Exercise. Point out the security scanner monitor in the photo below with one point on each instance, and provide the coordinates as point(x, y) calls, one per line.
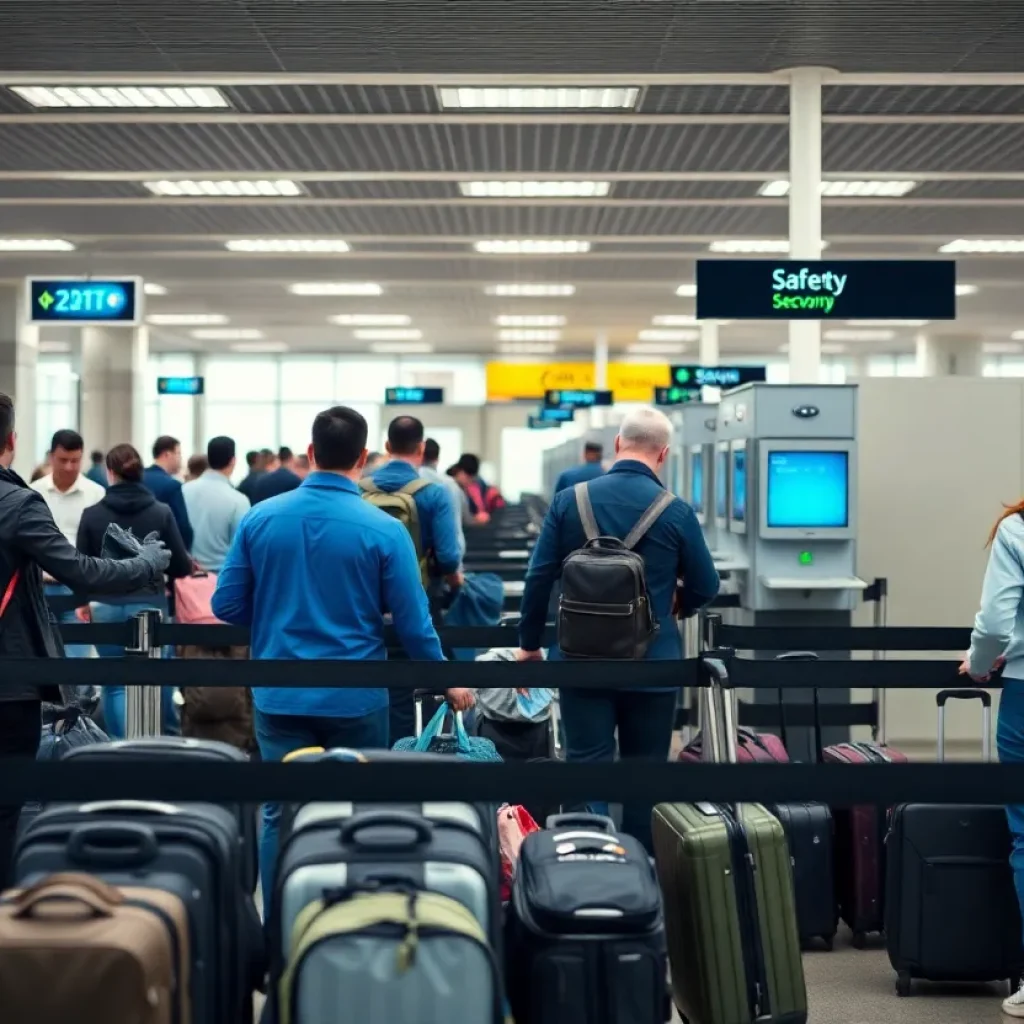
point(805, 490)
point(738, 484)
point(722, 485)
point(696, 493)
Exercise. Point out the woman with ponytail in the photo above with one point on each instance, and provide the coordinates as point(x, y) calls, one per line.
point(997, 642)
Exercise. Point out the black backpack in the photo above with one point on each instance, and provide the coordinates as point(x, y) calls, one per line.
point(604, 610)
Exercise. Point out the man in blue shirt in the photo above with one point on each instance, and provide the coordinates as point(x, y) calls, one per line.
point(161, 481)
point(279, 481)
point(589, 469)
point(439, 534)
point(308, 572)
point(673, 549)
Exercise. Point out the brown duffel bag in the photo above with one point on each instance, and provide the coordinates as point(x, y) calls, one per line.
point(221, 713)
point(75, 950)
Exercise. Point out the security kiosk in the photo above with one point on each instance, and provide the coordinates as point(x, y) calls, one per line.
point(696, 426)
point(785, 501)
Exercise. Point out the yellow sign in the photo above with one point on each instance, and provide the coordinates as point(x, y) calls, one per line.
point(630, 382)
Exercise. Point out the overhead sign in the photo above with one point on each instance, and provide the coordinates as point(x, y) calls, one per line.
point(180, 385)
point(676, 396)
point(577, 399)
point(717, 376)
point(630, 382)
point(539, 423)
point(85, 301)
point(563, 415)
point(414, 396)
point(826, 289)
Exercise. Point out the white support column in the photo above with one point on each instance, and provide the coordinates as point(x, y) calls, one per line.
point(597, 416)
point(948, 357)
point(19, 348)
point(113, 372)
point(707, 355)
point(805, 210)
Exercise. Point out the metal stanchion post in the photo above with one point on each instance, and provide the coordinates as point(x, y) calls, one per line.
point(142, 703)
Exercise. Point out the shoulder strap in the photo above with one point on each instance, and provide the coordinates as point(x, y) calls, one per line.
point(12, 583)
point(367, 486)
point(414, 486)
point(586, 511)
point(648, 519)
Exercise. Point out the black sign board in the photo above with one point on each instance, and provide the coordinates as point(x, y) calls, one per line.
point(716, 376)
point(576, 399)
point(81, 302)
point(414, 396)
point(563, 415)
point(826, 289)
point(539, 423)
point(676, 396)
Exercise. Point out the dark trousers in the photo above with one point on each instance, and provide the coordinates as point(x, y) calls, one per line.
point(19, 737)
point(522, 741)
point(644, 723)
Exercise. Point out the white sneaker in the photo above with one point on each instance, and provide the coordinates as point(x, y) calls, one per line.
point(1014, 1005)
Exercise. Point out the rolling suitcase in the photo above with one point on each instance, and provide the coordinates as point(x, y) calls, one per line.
point(190, 850)
point(951, 909)
point(730, 908)
point(585, 938)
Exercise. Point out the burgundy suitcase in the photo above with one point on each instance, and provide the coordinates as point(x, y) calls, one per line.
point(752, 746)
point(860, 846)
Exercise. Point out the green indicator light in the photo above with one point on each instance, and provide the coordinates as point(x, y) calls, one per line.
point(46, 300)
point(683, 375)
point(806, 558)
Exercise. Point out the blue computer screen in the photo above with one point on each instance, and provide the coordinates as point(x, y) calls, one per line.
point(808, 489)
point(697, 481)
point(739, 485)
point(721, 484)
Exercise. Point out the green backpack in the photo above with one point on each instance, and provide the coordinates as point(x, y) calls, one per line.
point(401, 505)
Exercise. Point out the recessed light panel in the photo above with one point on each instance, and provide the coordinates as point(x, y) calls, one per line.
point(186, 319)
point(523, 334)
point(286, 245)
point(534, 189)
point(531, 291)
point(371, 320)
point(139, 97)
point(225, 189)
point(35, 245)
point(532, 246)
point(530, 320)
point(321, 288)
point(538, 98)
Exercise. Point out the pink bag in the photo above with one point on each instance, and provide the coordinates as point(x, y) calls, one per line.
point(193, 599)
point(515, 823)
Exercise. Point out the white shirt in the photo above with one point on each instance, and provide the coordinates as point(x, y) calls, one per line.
point(67, 506)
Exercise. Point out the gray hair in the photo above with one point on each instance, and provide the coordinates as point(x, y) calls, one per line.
point(646, 429)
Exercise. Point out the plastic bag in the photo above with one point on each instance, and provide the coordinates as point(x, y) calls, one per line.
point(515, 823)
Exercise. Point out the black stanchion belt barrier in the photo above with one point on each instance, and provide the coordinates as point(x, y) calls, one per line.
point(619, 782)
point(842, 638)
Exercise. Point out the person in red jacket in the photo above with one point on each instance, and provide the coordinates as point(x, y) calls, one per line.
point(483, 499)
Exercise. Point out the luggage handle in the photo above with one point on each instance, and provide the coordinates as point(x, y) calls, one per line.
point(423, 830)
point(107, 844)
point(986, 718)
point(129, 807)
point(818, 746)
point(597, 822)
point(67, 887)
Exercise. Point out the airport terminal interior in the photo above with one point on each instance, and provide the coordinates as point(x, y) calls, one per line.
point(794, 227)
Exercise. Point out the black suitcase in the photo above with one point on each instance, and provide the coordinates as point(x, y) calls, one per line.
point(177, 748)
point(585, 936)
point(951, 909)
point(191, 850)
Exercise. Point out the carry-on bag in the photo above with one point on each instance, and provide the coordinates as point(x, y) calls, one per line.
point(750, 746)
point(433, 740)
point(75, 949)
point(951, 911)
point(178, 748)
point(189, 850)
point(585, 938)
point(406, 955)
point(730, 906)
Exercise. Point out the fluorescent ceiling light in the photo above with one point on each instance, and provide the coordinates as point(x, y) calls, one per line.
point(520, 334)
point(152, 288)
point(531, 291)
point(984, 245)
point(534, 189)
point(259, 347)
point(654, 334)
point(656, 349)
point(388, 334)
point(687, 291)
point(286, 245)
point(135, 97)
point(530, 320)
point(538, 98)
point(371, 320)
point(398, 348)
point(53, 347)
point(1017, 336)
point(227, 334)
point(835, 189)
point(186, 319)
point(826, 349)
point(673, 320)
point(966, 289)
point(841, 334)
point(311, 288)
point(532, 246)
point(266, 187)
point(753, 245)
point(35, 245)
point(526, 348)
point(888, 323)
point(1002, 348)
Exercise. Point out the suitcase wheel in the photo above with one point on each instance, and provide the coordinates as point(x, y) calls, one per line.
point(829, 943)
point(904, 985)
point(860, 940)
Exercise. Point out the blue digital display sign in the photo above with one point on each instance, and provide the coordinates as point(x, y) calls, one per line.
point(576, 399)
point(716, 376)
point(557, 415)
point(675, 396)
point(414, 396)
point(539, 423)
point(180, 385)
point(84, 301)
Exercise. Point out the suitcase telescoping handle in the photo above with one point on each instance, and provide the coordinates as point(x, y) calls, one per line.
point(818, 747)
point(410, 830)
point(718, 722)
point(986, 717)
point(106, 844)
point(594, 822)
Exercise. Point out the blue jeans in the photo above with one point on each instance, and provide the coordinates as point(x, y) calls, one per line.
point(644, 722)
point(113, 700)
point(59, 590)
point(1010, 741)
point(278, 736)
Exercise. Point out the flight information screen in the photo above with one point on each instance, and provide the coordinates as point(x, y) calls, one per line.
point(84, 302)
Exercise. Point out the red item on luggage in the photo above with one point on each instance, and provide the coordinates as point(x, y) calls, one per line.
point(193, 599)
point(12, 584)
point(515, 823)
point(751, 746)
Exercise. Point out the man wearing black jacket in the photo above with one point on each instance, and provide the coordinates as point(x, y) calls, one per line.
point(30, 544)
